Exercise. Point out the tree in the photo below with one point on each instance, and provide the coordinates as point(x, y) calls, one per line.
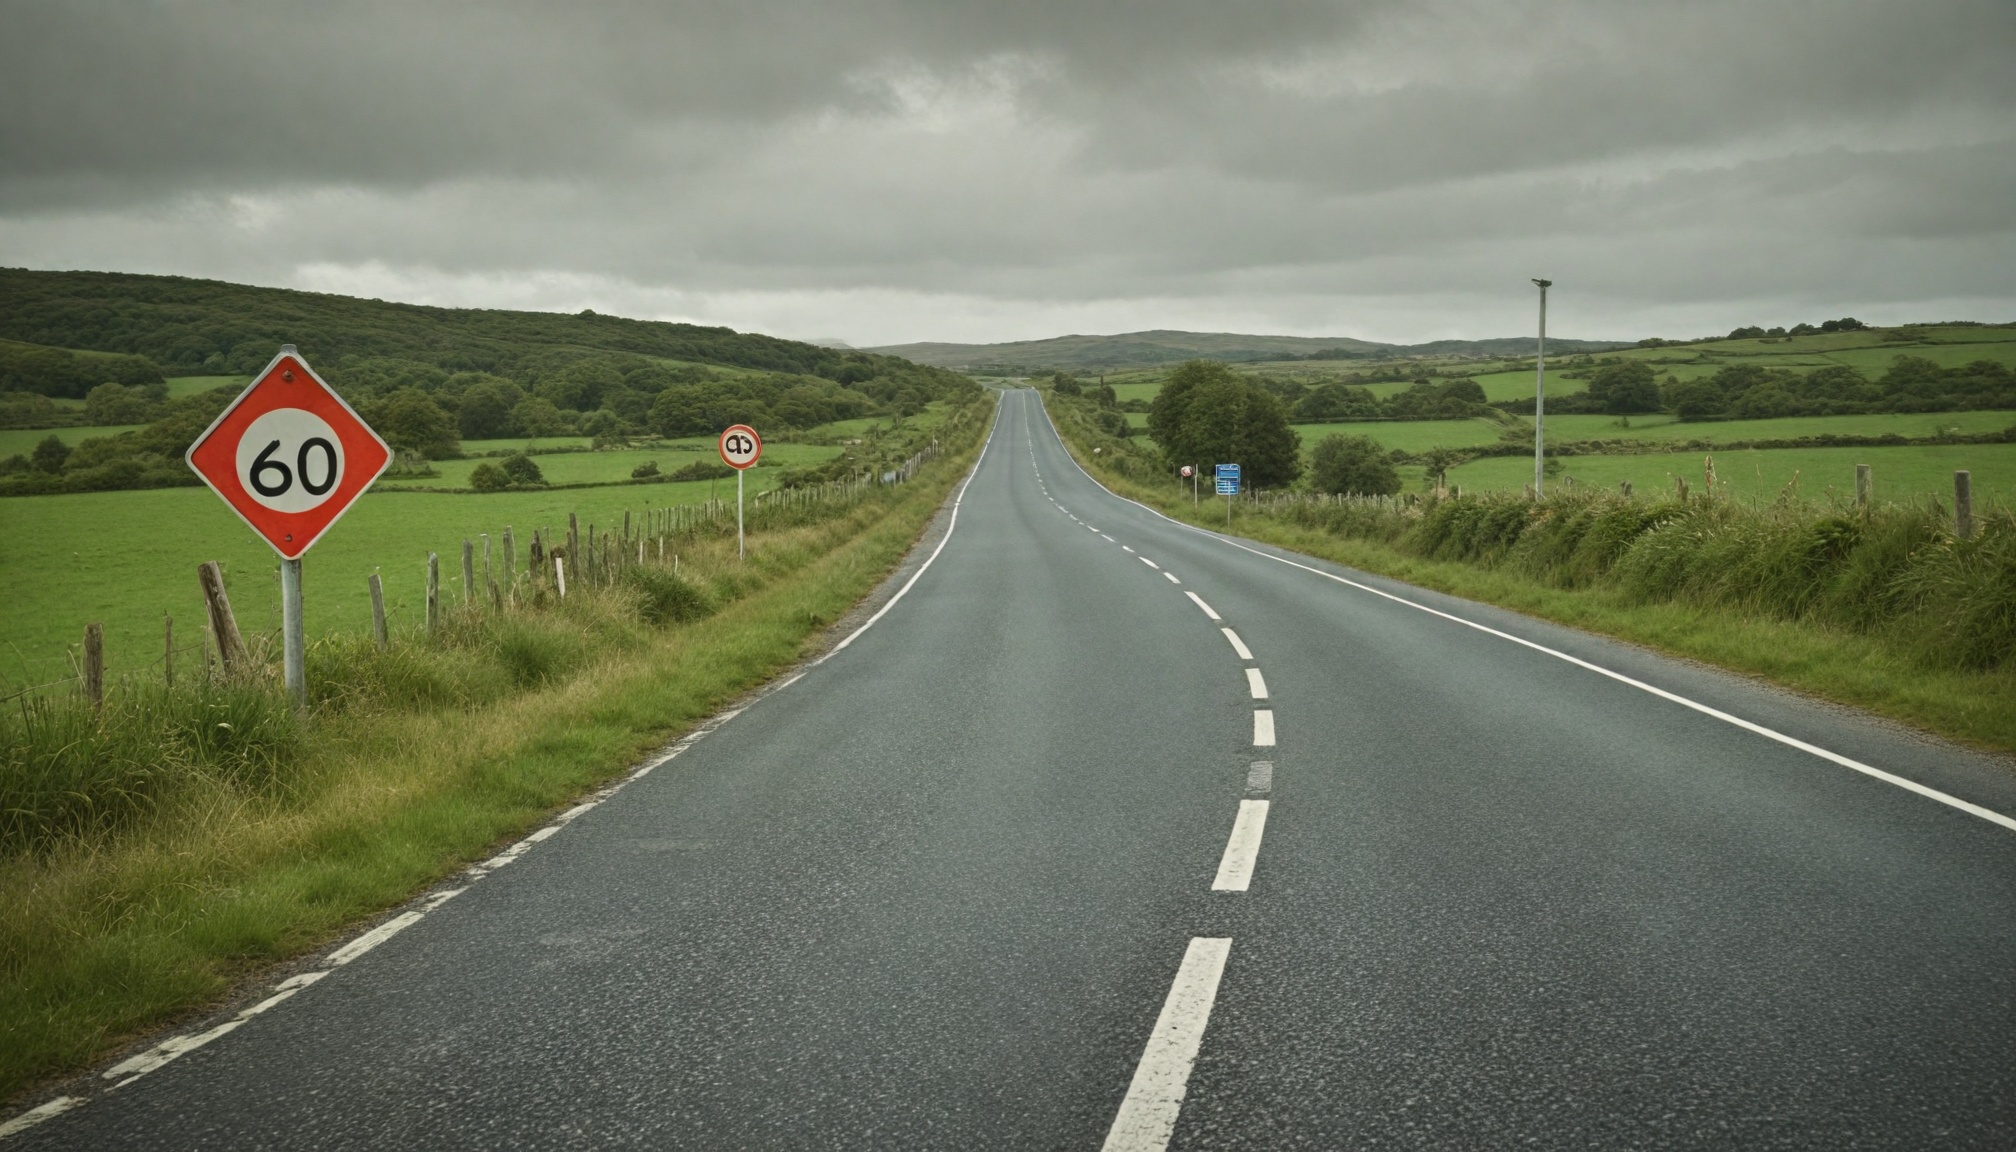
point(1628, 386)
point(1352, 466)
point(49, 454)
point(111, 403)
point(536, 416)
point(410, 419)
point(1695, 399)
point(488, 477)
point(1206, 414)
point(1065, 384)
point(522, 469)
point(485, 411)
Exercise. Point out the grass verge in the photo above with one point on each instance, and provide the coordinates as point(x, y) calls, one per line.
point(105, 934)
point(1879, 671)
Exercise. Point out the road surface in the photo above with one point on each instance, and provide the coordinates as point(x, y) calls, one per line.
point(1115, 833)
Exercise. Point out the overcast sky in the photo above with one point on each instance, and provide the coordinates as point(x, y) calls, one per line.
point(914, 170)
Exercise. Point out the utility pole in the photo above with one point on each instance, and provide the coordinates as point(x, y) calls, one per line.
point(1540, 395)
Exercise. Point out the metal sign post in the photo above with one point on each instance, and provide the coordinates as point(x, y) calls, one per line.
point(740, 448)
point(290, 457)
point(1189, 472)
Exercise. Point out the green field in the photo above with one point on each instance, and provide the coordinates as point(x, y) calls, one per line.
point(23, 440)
point(1408, 435)
point(126, 558)
point(1663, 427)
point(189, 385)
point(616, 464)
point(1902, 473)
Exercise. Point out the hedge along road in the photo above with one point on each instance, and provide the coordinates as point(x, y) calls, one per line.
point(1024, 866)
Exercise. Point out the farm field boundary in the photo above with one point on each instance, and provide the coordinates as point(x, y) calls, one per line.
point(105, 936)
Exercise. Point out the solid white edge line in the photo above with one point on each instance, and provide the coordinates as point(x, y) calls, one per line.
point(373, 938)
point(929, 560)
point(1263, 727)
point(1242, 849)
point(1199, 600)
point(1238, 645)
point(1256, 684)
point(1147, 1115)
point(1969, 807)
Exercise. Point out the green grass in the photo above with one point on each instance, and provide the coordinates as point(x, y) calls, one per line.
point(1408, 435)
point(1904, 473)
point(616, 464)
point(1664, 427)
point(23, 440)
point(1518, 385)
point(107, 936)
point(525, 444)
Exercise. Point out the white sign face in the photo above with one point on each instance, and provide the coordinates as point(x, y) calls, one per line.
point(740, 446)
point(290, 460)
point(1188, 471)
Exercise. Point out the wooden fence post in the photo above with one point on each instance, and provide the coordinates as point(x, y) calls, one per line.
point(433, 591)
point(510, 563)
point(1861, 485)
point(168, 654)
point(560, 575)
point(574, 539)
point(378, 632)
point(94, 664)
point(1963, 504)
point(223, 624)
point(468, 573)
point(488, 580)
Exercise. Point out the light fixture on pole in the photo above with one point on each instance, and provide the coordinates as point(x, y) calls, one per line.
point(1540, 394)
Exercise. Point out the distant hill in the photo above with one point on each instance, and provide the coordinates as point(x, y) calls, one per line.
point(211, 327)
point(1163, 346)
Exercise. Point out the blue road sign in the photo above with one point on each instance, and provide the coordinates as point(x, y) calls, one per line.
point(1228, 479)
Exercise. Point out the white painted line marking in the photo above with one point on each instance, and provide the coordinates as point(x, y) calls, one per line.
point(1124, 548)
point(1260, 777)
point(1256, 684)
point(170, 1049)
point(1972, 809)
point(269, 1002)
point(1242, 851)
point(577, 810)
point(1206, 607)
point(38, 1114)
point(302, 980)
point(1089, 528)
point(1148, 1113)
point(542, 833)
point(1263, 727)
point(1172, 578)
point(1238, 645)
point(1150, 563)
point(373, 938)
point(1108, 539)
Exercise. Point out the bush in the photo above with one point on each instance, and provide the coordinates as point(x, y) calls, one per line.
point(666, 597)
point(703, 470)
point(644, 471)
point(522, 469)
point(488, 477)
point(1353, 466)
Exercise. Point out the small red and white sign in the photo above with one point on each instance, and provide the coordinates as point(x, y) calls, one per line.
point(1188, 471)
point(288, 455)
point(741, 447)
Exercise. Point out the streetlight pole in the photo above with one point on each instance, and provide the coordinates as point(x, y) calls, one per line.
point(1540, 394)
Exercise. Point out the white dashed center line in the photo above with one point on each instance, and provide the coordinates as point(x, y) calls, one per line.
point(1256, 684)
point(1124, 548)
point(1172, 577)
point(1147, 1116)
point(1199, 601)
point(1238, 645)
point(1150, 563)
point(1263, 728)
point(1235, 869)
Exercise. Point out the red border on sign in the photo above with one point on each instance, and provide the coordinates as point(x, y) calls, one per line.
point(721, 446)
point(214, 457)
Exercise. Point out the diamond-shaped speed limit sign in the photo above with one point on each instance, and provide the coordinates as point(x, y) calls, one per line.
point(289, 455)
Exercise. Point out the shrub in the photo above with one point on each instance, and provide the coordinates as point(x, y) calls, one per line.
point(522, 469)
point(666, 597)
point(488, 477)
point(1354, 466)
point(644, 471)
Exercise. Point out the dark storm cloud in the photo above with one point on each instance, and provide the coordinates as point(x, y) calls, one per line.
point(879, 168)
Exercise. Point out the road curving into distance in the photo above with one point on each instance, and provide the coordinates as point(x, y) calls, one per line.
point(1111, 832)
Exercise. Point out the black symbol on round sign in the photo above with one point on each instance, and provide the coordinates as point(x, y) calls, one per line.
point(740, 446)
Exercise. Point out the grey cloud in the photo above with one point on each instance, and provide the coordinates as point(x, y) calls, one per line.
point(1251, 158)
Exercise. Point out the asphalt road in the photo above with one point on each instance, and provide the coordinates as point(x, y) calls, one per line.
point(994, 873)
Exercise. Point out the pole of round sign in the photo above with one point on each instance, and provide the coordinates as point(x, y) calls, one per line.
point(740, 554)
point(294, 642)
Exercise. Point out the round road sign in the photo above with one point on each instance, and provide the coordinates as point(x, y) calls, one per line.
point(289, 455)
point(1188, 471)
point(741, 447)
